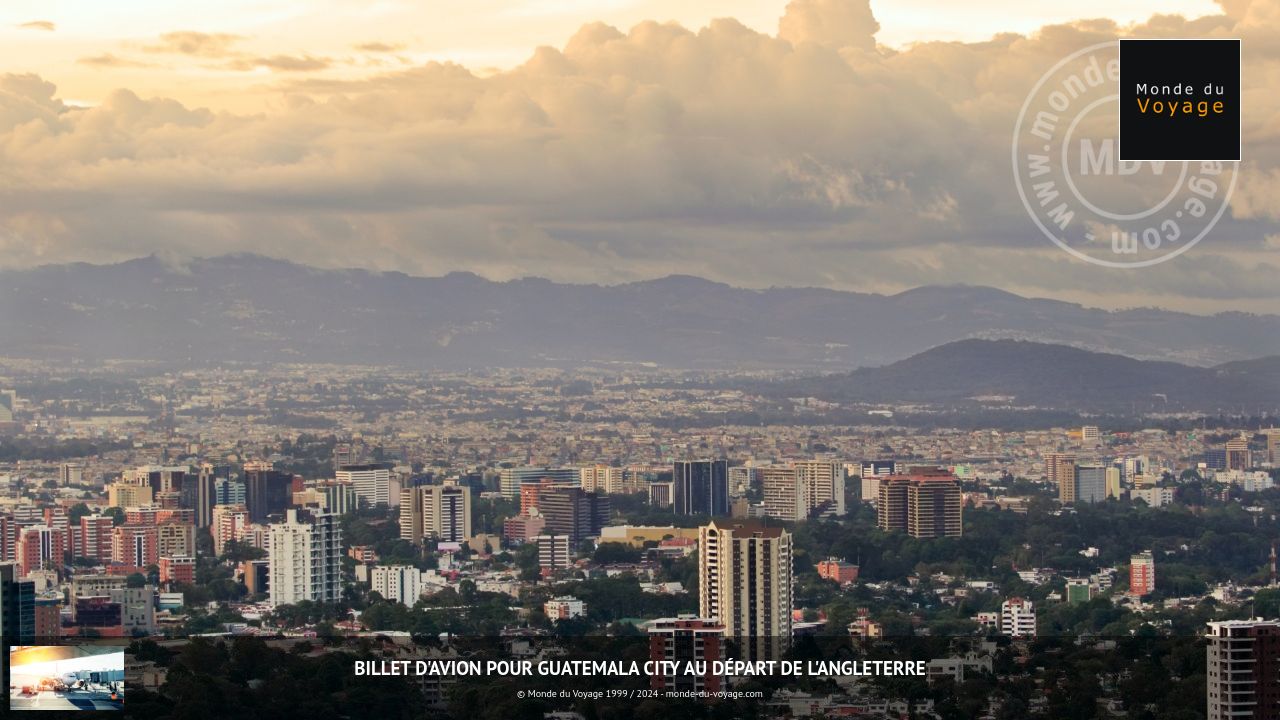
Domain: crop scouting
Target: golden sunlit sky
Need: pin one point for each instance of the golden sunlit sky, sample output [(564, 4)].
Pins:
[(89, 47), (836, 143)]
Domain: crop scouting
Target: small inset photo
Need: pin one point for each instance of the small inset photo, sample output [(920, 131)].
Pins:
[(66, 677)]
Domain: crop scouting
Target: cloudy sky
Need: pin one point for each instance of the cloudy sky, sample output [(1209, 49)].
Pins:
[(828, 143)]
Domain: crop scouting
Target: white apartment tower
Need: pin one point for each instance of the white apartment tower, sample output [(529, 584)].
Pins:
[(745, 581), (305, 559)]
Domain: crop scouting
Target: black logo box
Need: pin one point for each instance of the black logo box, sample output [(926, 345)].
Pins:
[(1192, 63)]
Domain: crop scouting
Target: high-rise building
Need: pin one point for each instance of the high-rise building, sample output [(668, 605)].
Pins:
[(744, 584), (17, 607), (686, 639), (554, 553), (925, 504), (267, 491), (870, 472), (95, 537), (701, 487), (1273, 445), (1090, 435), (207, 489), (329, 496), (176, 539), (1142, 574), (1091, 483), (573, 512), (601, 479), (1018, 618), (1060, 472), (305, 559), (135, 546), (398, 583), (802, 490), (662, 494), (123, 494), (40, 546), (160, 478), (1113, 482), (510, 480), (70, 474), (177, 569), (1242, 672), (1238, 454), (230, 522), (442, 512), (371, 481)]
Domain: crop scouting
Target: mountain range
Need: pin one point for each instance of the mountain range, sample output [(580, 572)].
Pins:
[(993, 373), (253, 308)]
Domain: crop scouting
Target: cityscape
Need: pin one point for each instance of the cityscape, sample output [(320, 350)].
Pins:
[(319, 504)]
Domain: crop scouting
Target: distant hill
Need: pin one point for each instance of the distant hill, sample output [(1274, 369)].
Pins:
[(976, 372), (247, 307)]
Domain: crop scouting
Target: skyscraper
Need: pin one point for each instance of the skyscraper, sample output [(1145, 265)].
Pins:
[(1238, 454), (1091, 483), (925, 504), (95, 537), (1060, 472), (267, 491), (372, 482), (701, 487), (802, 490), (305, 559), (745, 576), (17, 607), (573, 512), (206, 495), (601, 478), (510, 480), (1242, 672), (441, 511)]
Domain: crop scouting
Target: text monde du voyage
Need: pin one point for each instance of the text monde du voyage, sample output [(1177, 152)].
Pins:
[(1179, 99), (583, 668)]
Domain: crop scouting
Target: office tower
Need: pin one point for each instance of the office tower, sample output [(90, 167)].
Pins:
[(825, 481), (510, 480), (39, 546), (95, 537), (398, 583), (573, 512), (1091, 483), (176, 539), (1018, 618), (1142, 574), (1090, 435), (371, 481), (123, 494), (230, 522), (17, 607), (926, 504), (442, 512), (701, 487), (1273, 445), (662, 494), (685, 639), (744, 583), (160, 478), (1242, 672), (267, 491), (601, 479), (70, 474), (215, 486), (1060, 472), (553, 553), (331, 496), (1113, 476), (1238, 454), (135, 546)]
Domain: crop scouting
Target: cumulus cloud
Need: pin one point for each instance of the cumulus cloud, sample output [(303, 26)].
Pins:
[(807, 157), (44, 25), (199, 44)]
